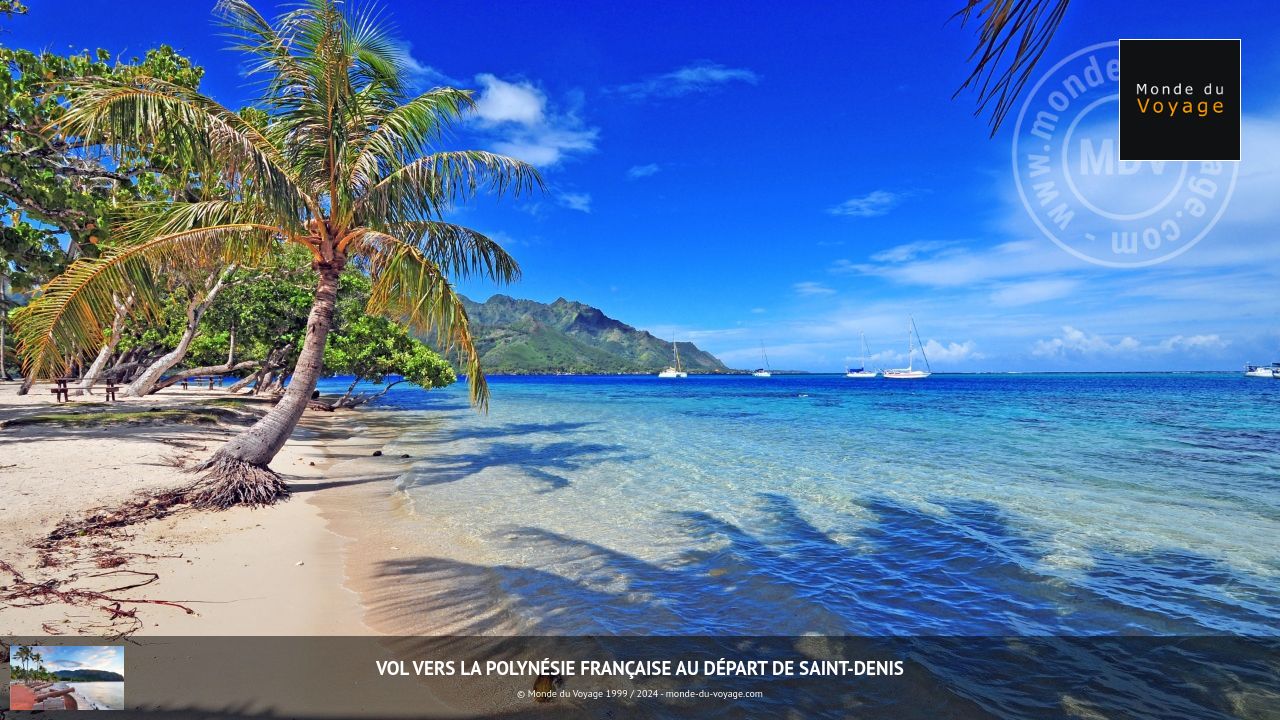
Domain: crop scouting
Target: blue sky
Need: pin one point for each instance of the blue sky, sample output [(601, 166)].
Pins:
[(66, 657), (747, 171)]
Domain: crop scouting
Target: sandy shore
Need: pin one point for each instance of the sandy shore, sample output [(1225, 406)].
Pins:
[(269, 571)]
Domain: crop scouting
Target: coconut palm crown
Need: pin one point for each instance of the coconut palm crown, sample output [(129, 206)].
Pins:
[(336, 156)]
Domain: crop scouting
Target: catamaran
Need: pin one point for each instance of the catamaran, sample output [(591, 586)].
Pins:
[(861, 371), (765, 371), (1263, 371), (676, 371), (909, 372)]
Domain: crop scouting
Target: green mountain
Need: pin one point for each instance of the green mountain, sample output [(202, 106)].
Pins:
[(88, 676), (523, 337)]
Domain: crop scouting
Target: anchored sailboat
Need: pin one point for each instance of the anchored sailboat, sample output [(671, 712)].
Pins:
[(765, 371), (676, 371), (909, 372), (861, 371)]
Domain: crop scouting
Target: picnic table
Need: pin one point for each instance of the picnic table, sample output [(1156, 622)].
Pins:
[(63, 393)]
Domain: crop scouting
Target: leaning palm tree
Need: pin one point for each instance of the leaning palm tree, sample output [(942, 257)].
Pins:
[(335, 156)]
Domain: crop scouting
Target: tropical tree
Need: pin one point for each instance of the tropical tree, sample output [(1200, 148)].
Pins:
[(370, 348), (339, 160)]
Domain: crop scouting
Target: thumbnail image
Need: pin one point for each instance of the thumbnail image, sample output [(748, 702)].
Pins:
[(54, 677)]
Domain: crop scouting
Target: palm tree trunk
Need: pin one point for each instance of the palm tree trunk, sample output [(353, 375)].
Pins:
[(237, 472)]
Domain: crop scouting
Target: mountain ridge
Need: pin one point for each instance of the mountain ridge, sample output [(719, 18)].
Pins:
[(525, 337)]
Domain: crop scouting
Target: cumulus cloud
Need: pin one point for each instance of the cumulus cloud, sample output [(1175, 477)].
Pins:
[(701, 76), (1078, 342), (873, 204), (643, 171), (952, 352), (517, 117)]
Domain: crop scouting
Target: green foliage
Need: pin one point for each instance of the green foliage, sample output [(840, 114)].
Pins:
[(267, 309), (337, 158), (372, 348), (55, 180), (9, 8)]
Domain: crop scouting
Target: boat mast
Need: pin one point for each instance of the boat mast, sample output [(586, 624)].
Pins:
[(676, 348), (764, 356), (911, 348), (863, 337), (921, 344)]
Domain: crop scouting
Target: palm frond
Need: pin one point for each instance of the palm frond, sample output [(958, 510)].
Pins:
[(255, 36), (427, 186), (145, 113), (66, 320), (1013, 37), (406, 132), (409, 288), (458, 251)]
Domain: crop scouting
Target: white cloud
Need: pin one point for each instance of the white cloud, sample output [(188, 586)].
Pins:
[(758, 311), (643, 171), (952, 352), (517, 117), (810, 288), (424, 75), (1078, 342), (1031, 292), (575, 201), (873, 204), (910, 251), (696, 77)]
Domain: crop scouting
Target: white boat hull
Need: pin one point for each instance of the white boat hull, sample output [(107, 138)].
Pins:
[(673, 374), (762, 373), (867, 374), (1262, 372), (906, 374)]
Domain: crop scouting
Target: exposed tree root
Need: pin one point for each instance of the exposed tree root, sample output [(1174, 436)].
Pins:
[(228, 482), (139, 508)]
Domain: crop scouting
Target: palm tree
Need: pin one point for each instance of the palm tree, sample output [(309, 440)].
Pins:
[(23, 655), (337, 157)]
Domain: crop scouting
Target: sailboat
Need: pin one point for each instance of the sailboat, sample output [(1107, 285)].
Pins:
[(676, 371), (909, 372), (766, 370), (861, 371)]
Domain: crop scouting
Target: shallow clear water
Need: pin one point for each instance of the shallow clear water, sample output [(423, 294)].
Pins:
[(957, 505)]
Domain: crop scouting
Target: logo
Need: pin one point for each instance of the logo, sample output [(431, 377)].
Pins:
[(1082, 196), (1180, 99)]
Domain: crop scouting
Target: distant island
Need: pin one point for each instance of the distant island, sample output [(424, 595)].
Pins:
[(524, 337), (89, 676)]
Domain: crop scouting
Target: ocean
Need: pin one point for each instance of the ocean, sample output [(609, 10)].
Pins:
[(101, 695), (970, 506)]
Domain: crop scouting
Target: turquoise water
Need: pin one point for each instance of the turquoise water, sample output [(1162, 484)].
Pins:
[(958, 505)]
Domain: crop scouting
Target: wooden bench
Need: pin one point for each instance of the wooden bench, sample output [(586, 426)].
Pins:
[(110, 390), (201, 380), (60, 389)]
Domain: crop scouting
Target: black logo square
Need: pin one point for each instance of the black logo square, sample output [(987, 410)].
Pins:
[(1180, 100)]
